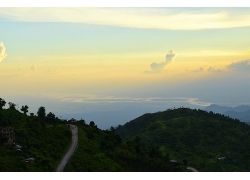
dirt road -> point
(71, 150)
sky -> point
(111, 65)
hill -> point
(198, 136)
(30, 143)
(104, 151)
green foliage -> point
(38, 139)
(24, 109)
(2, 103)
(198, 136)
(104, 151)
(194, 137)
(12, 106)
(41, 112)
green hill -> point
(198, 136)
(103, 151)
(147, 143)
(46, 139)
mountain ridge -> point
(241, 112)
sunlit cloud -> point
(2, 51)
(157, 18)
(201, 69)
(195, 101)
(213, 69)
(158, 67)
(243, 65)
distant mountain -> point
(198, 136)
(242, 116)
(240, 112)
(218, 109)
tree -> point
(41, 112)
(24, 109)
(2, 103)
(12, 105)
(51, 118)
(92, 123)
(112, 129)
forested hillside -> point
(198, 136)
(152, 142)
(37, 143)
(103, 151)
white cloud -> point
(157, 18)
(243, 65)
(127, 3)
(2, 52)
(158, 67)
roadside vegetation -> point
(42, 137)
(104, 151)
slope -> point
(34, 137)
(195, 135)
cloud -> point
(243, 65)
(199, 69)
(195, 101)
(33, 67)
(157, 18)
(212, 69)
(2, 52)
(158, 67)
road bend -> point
(71, 150)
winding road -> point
(71, 150)
(192, 169)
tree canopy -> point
(2, 103)
(24, 109)
(41, 112)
